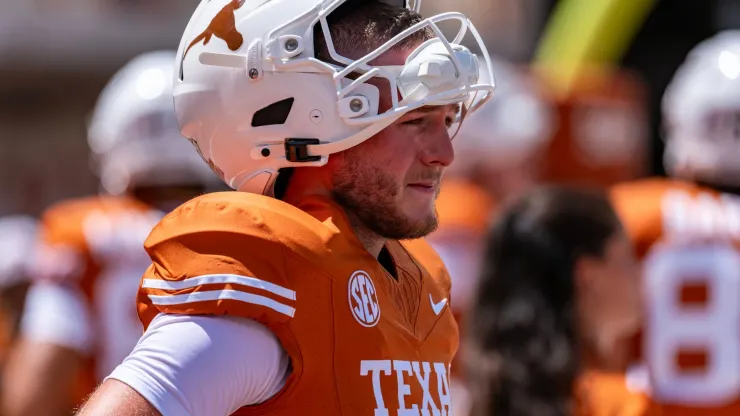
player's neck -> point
(305, 184)
(372, 242)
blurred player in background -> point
(17, 243)
(558, 295)
(498, 152)
(687, 230)
(80, 318)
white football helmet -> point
(701, 113)
(17, 243)
(507, 130)
(133, 132)
(239, 58)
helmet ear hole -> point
(275, 113)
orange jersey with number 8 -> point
(688, 237)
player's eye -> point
(449, 120)
(414, 122)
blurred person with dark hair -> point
(687, 231)
(558, 298)
(80, 318)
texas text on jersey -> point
(688, 237)
(93, 246)
(362, 340)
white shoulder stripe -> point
(219, 278)
(222, 294)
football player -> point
(80, 317)
(559, 291)
(309, 291)
(687, 229)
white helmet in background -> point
(17, 246)
(701, 113)
(242, 59)
(133, 133)
(508, 130)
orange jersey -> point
(95, 245)
(361, 341)
(688, 237)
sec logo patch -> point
(363, 299)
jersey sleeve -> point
(216, 257)
(198, 366)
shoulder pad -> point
(224, 253)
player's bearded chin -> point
(371, 196)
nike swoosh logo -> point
(437, 307)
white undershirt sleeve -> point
(193, 365)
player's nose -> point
(438, 150)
